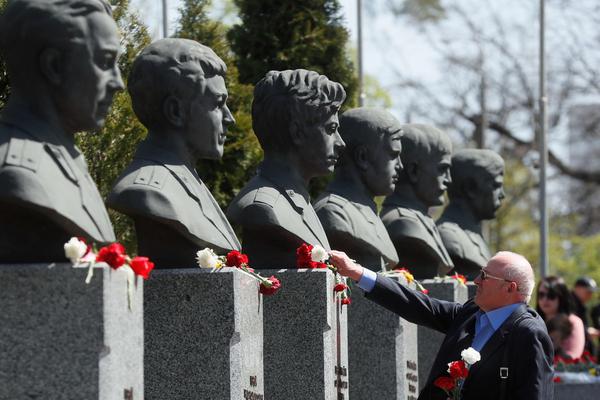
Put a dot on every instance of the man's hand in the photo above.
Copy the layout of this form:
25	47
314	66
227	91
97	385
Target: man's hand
345	265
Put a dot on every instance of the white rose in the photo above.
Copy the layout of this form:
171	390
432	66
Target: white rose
470	356
207	258
74	250
319	254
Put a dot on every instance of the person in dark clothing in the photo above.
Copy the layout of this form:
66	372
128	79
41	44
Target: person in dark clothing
583	291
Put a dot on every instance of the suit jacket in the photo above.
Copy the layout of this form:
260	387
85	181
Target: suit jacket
523	335
276	217
462	237
174	211
46	192
352	225
416	238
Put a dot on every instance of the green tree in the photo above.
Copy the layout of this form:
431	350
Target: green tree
242	151
110	150
275	35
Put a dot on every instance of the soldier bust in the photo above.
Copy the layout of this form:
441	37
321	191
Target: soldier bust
368	167
61	57
178	92
475	195
426	153
295	118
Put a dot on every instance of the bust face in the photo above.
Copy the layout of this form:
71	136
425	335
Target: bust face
433	177
91	76
321	145
208	119
385	165
488	195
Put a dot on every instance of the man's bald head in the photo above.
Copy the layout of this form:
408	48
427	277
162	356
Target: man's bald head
515	268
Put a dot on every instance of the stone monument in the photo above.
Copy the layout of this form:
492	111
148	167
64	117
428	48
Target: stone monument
61	58
294	116
369	167
475	195
426	156
178	92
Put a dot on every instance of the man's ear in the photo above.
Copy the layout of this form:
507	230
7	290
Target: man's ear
296	133
361	157
470	188
52	65
412	171
173	111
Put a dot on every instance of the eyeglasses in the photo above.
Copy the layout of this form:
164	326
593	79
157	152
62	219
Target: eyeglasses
546	295
484	275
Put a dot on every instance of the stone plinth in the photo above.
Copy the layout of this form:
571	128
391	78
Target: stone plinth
63	339
203	335
305	329
430	340
382	352
579	391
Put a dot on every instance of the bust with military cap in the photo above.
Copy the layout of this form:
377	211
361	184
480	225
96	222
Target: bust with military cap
61	58
422	183
368	167
295	118
475	194
178	92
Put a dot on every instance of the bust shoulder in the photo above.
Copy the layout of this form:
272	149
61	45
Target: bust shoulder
453	237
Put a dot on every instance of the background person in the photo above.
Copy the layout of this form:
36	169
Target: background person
583	291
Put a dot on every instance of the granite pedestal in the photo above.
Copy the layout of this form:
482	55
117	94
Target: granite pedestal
63	339
579	391
382	352
430	340
203	335
305	329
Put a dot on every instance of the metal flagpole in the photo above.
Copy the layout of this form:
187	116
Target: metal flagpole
361	95
543	149
165	19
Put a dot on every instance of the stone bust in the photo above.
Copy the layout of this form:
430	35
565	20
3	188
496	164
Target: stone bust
61	57
426	157
295	118
178	92
368	167
475	195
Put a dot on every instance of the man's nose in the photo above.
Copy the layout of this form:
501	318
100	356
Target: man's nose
228	116
339	142
116	82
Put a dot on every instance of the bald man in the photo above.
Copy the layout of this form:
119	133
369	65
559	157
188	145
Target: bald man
516	351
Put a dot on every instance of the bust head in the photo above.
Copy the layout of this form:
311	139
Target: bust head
373	147
62	54
477	179
295	115
178	86
426	156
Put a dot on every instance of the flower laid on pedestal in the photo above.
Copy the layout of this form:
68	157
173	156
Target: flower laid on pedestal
311	257
207	258
114	255
405	273
458	371
461	279
586	364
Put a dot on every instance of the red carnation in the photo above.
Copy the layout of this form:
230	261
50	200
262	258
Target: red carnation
340	287
236	259
444	382
270	288
113	255
556	379
458	369
142	266
304	257
425	291
346	301
318	265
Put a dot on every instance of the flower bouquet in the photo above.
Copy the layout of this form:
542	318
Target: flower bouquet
458	372
405	273
207	258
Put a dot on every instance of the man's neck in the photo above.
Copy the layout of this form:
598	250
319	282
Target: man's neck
405	196
174	143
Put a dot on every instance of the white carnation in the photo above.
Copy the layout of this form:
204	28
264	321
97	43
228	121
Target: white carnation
207	258
319	254
470	356
74	250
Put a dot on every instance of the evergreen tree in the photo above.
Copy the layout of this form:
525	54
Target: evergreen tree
242	152
275	35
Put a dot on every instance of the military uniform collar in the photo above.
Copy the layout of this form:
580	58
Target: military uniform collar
348	191
459	213
396	200
282	178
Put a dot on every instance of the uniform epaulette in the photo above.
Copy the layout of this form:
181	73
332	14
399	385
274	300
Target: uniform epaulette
24	153
151	175
267	195
337	200
407	213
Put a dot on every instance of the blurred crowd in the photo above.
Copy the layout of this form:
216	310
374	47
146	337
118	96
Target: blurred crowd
573	326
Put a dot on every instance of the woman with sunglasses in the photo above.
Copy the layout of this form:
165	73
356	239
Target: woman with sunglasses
553	300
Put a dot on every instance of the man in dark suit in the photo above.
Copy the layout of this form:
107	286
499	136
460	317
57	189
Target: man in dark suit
516	351
295	118
178	92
